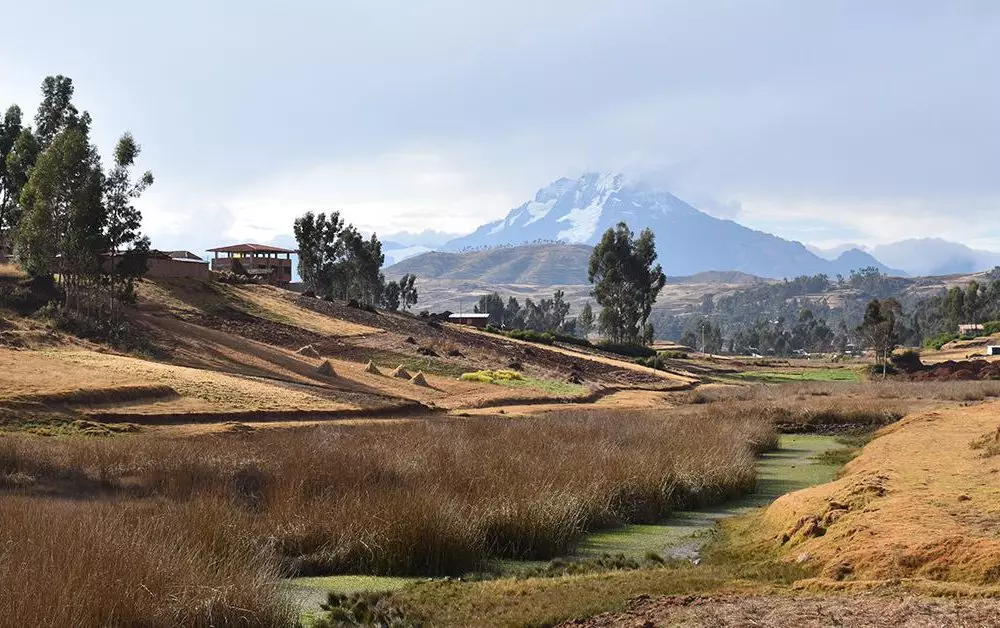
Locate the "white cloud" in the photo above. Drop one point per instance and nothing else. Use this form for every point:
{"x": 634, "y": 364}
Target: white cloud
{"x": 401, "y": 191}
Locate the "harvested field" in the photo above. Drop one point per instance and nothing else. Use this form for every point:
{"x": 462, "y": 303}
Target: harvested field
{"x": 952, "y": 371}
{"x": 90, "y": 379}
{"x": 778, "y": 611}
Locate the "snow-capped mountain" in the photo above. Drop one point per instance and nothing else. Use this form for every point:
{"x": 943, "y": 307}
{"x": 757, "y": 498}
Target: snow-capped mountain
{"x": 688, "y": 241}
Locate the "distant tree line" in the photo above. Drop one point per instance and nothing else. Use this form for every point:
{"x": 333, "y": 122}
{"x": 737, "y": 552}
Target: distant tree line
{"x": 509, "y": 245}
{"x": 65, "y": 218}
{"x": 336, "y": 261}
{"x": 546, "y": 315}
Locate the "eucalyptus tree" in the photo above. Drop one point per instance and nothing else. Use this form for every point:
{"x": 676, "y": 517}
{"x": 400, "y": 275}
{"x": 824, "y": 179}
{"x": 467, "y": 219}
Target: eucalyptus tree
{"x": 626, "y": 283}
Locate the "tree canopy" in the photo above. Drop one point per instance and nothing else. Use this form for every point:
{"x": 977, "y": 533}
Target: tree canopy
{"x": 626, "y": 283}
{"x": 64, "y": 215}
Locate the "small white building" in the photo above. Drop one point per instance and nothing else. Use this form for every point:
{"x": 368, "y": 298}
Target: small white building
{"x": 970, "y": 329}
{"x": 474, "y": 320}
{"x": 992, "y": 349}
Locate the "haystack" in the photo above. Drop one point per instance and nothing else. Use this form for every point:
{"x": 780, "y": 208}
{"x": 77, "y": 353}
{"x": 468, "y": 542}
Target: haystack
{"x": 327, "y": 369}
{"x": 401, "y": 373}
{"x": 308, "y": 350}
{"x": 371, "y": 368}
{"x": 419, "y": 379}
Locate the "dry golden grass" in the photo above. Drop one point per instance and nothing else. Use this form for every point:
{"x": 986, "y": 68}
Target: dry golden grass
{"x": 40, "y": 375}
{"x": 109, "y": 563}
{"x": 919, "y": 502}
{"x": 419, "y": 498}
{"x": 190, "y": 296}
{"x": 270, "y": 302}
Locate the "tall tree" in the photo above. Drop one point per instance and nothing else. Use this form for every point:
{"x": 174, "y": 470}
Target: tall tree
{"x": 62, "y": 225}
{"x": 408, "y": 291}
{"x": 880, "y": 329}
{"x": 585, "y": 320}
{"x": 320, "y": 249}
{"x": 57, "y": 111}
{"x": 390, "y": 296}
{"x": 493, "y": 305}
{"x": 626, "y": 282}
{"x": 128, "y": 247}
{"x": 10, "y": 131}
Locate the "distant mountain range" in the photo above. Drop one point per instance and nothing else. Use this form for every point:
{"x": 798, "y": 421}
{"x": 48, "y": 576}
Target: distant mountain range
{"x": 688, "y": 241}
{"x": 925, "y": 256}
{"x": 534, "y": 264}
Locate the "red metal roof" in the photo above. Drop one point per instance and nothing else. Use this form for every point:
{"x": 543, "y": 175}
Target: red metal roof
{"x": 250, "y": 248}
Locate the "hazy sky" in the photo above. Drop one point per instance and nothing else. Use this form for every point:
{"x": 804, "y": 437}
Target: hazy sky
{"x": 824, "y": 121}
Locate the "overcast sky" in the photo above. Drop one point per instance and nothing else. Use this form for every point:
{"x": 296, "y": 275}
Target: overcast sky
{"x": 823, "y": 121}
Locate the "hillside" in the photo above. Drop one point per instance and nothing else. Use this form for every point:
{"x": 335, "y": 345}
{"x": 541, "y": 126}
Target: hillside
{"x": 213, "y": 353}
{"x": 535, "y": 264}
{"x": 689, "y": 241}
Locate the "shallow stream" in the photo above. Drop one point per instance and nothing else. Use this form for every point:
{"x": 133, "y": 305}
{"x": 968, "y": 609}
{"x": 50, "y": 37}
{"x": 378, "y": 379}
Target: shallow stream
{"x": 793, "y": 466}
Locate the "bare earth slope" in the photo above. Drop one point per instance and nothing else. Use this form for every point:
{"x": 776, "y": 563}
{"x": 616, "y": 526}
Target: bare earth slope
{"x": 220, "y": 353}
{"x": 921, "y": 504}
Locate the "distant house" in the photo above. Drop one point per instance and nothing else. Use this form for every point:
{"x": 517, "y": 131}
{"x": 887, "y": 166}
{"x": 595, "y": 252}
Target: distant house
{"x": 993, "y": 350}
{"x": 160, "y": 264}
{"x": 474, "y": 320}
{"x": 969, "y": 329}
{"x": 184, "y": 255}
{"x": 269, "y": 264}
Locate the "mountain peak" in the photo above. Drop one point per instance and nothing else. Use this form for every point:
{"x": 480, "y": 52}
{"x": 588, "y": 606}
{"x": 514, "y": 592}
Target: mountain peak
{"x": 689, "y": 241}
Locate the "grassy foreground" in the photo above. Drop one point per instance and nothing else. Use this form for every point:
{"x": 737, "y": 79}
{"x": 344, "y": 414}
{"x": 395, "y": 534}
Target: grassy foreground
{"x": 216, "y": 519}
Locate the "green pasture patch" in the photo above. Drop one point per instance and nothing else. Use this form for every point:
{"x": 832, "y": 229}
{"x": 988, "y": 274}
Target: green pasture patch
{"x": 805, "y": 375}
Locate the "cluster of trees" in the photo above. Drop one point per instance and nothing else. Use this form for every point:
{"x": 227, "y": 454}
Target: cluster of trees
{"x": 977, "y": 302}
{"x": 336, "y": 261}
{"x": 546, "y": 315}
{"x": 882, "y": 329}
{"x": 626, "y": 284}
{"x": 808, "y": 333}
{"x": 61, "y": 213}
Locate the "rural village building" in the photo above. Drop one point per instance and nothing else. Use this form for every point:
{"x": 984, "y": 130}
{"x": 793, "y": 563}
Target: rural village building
{"x": 475, "y": 320}
{"x": 162, "y": 264}
{"x": 268, "y": 264}
{"x": 969, "y": 329}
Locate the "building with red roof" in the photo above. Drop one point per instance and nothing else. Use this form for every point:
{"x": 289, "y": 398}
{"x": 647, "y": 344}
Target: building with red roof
{"x": 268, "y": 264}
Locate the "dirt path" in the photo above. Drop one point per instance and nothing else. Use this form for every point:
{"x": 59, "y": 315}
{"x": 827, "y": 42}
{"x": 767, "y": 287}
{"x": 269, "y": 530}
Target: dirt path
{"x": 779, "y": 611}
{"x": 675, "y": 376}
{"x": 629, "y": 399}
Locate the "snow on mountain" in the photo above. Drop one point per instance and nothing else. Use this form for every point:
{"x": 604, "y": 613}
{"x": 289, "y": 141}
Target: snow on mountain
{"x": 688, "y": 240}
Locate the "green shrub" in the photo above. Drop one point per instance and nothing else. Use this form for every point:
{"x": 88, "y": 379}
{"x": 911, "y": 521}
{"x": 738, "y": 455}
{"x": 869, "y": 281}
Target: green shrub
{"x": 675, "y": 355}
{"x": 990, "y": 328}
{"x": 530, "y": 335}
{"x": 653, "y": 362}
{"x": 492, "y": 377}
{"x": 573, "y": 340}
{"x": 631, "y": 351}
{"x": 507, "y": 375}
{"x": 483, "y": 377}
{"x": 940, "y": 340}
